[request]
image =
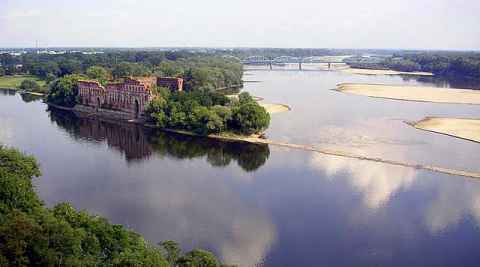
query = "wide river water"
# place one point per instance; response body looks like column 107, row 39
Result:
column 258, row 205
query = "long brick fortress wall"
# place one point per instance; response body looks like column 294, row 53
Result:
column 127, row 99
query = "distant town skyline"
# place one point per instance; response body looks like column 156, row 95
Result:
column 395, row 24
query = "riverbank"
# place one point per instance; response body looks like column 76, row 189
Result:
column 382, row 72
column 413, row 93
column 275, row 108
column 13, row 82
column 468, row 129
column 257, row 139
column 338, row 153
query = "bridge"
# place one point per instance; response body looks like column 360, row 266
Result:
column 282, row 60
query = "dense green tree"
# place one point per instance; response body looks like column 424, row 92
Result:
column 97, row 73
column 64, row 91
column 69, row 66
column 2, row 71
column 30, row 85
column 125, row 69
column 248, row 116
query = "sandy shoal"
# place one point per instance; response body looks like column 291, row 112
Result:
column 413, row 93
column 461, row 128
column 275, row 108
column 382, row 72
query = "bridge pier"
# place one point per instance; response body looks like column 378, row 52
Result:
column 300, row 65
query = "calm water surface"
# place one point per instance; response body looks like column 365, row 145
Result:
column 268, row 206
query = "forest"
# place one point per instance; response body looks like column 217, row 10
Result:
column 199, row 70
column 450, row 64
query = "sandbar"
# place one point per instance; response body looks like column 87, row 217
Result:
column 275, row 108
column 468, row 129
column 413, row 93
column 383, row 72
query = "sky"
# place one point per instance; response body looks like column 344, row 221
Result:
column 396, row 24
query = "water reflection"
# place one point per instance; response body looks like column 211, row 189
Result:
column 138, row 143
column 376, row 181
column 27, row 98
column 6, row 91
column 453, row 202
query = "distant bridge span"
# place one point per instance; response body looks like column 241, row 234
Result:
column 281, row 60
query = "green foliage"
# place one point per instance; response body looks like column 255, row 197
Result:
column 248, row 116
column 16, row 190
column 32, row 235
column 69, row 66
column 198, row 258
column 30, row 85
column 64, row 91
column 2, row 71
column 205, row 112
column 125, row 69
column 97, row 73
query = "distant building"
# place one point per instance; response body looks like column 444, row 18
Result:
column 125, row 99
column 174, row 84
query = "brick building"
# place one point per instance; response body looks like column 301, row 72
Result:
column 129, row 97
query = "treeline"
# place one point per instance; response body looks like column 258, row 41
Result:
column 33, row 235
column 205, row 112
column 448, row 64
column 200, row 70
column 464, row 64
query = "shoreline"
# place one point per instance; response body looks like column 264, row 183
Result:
column 344, row 154
column 462, row 128
column 412, row 93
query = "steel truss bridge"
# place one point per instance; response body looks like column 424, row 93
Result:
column 282, row 60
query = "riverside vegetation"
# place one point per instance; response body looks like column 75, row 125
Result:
column 205, row 112
column 33, row 235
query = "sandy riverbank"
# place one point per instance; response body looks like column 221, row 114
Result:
column 382, row 72
column 275, row 108
column 269, row 107
column 413, row 93
column 468, row 129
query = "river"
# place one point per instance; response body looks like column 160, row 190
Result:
column 258, row 205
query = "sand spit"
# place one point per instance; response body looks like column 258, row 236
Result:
column 468, row 129
column 383, row 72
column 413, row 93
column 269, row 107
column 275, row 108
column 345, row 154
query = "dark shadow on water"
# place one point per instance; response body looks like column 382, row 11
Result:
column 27, row 98
column 138, row 143
column 6, row 91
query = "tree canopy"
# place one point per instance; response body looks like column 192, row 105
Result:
column 206, row 112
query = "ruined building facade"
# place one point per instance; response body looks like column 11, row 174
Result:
column 126, row 100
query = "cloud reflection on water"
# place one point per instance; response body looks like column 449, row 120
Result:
column 376, row 181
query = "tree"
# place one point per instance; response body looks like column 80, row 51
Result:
column 97, row 73
column 125, row 69
column 172, row 251
column 69, row 66
column 2, row 71
column 29, row 85
column 155, row 111
column 250, row 118
column 198, row 258
column 64, row 91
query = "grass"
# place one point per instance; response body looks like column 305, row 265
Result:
column 13, row 82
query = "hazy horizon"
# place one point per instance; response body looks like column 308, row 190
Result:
column 371, row 24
